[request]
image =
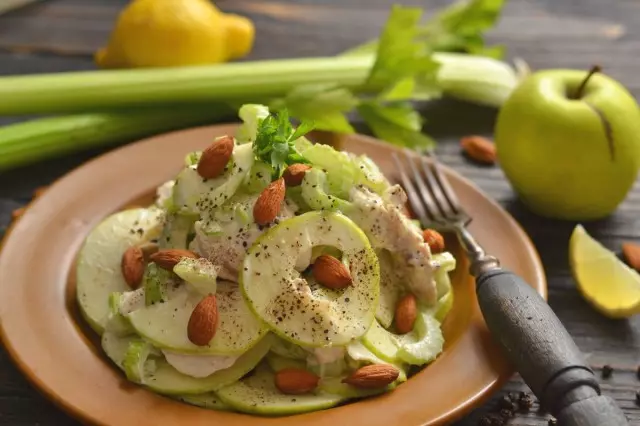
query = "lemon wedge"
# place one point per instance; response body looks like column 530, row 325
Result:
column 605, row 281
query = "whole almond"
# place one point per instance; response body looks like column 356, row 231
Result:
column 631, row 253
column 215, row 158
column 168, row 258
column 294, row 174
column 406, row 313
column 203, row 321
column 434, row 239
column 295, row 381
column 268, row 204
column 373, row 376
column 331, row 273
column 132, row 266
column 479, row 149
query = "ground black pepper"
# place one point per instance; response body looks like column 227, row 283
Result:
column 525, row 402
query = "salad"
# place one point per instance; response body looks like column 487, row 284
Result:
column 271, row 276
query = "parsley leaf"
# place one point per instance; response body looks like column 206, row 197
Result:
column 275, row 141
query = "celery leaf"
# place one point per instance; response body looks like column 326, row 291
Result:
column 325, row 105
column 397, row 123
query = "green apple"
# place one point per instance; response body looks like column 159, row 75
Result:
column 569, row 143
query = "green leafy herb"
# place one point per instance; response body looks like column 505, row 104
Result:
column 397, row 123
column 460, row 27
column 275, row 141
column 324, row 104
column 404, row 65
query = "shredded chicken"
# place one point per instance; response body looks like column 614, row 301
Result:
column 383, row 220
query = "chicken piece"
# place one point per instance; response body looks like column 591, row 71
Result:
column 383, row 220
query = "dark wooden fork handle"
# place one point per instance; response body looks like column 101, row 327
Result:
column 543, row 352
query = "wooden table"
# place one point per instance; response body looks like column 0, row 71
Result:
column 59, row 35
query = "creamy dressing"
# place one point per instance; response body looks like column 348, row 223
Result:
column 198, row 365
column 164, row 193
column 388, row 227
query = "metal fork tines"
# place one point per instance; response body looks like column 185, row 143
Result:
column 430, row 194
column 435, row 203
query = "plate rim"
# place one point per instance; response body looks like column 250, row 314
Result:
column 75, row 412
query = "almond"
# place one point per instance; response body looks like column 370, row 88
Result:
column 295, row 381
column 331, row 273
column 268, row 204
column 631, row 253
column 148, row 249
column 132, row 266
column 406, row 313
column 434, row 239
column 373, row 376
column 168, row 258
column 215, row 157
column 203, row 321
column 294, row 174
column 479, row 149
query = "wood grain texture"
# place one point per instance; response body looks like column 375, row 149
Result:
column 59, row 35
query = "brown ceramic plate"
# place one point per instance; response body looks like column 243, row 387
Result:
column 43, row 332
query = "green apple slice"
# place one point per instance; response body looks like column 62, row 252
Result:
column 192, row 194
column 390, row 288
column 207, row 400
column 98, row 273
column 200, row 274
column 381, row 342
column 257, row 394
column 165, row 324
column 156, row 374
column 277, row 362
column 299, row 310
column 287, row 349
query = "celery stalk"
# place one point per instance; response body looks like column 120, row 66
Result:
column 99, row 90
column 34, row 140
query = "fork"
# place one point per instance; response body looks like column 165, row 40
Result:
column 519, row 319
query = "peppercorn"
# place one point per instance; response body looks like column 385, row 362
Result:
column 525, row 402
column 506, row 414
column 607, row 371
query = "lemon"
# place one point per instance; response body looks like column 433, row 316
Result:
column 605, row 281
column 167, row 33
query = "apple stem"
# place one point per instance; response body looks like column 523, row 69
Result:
column 594, row 69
